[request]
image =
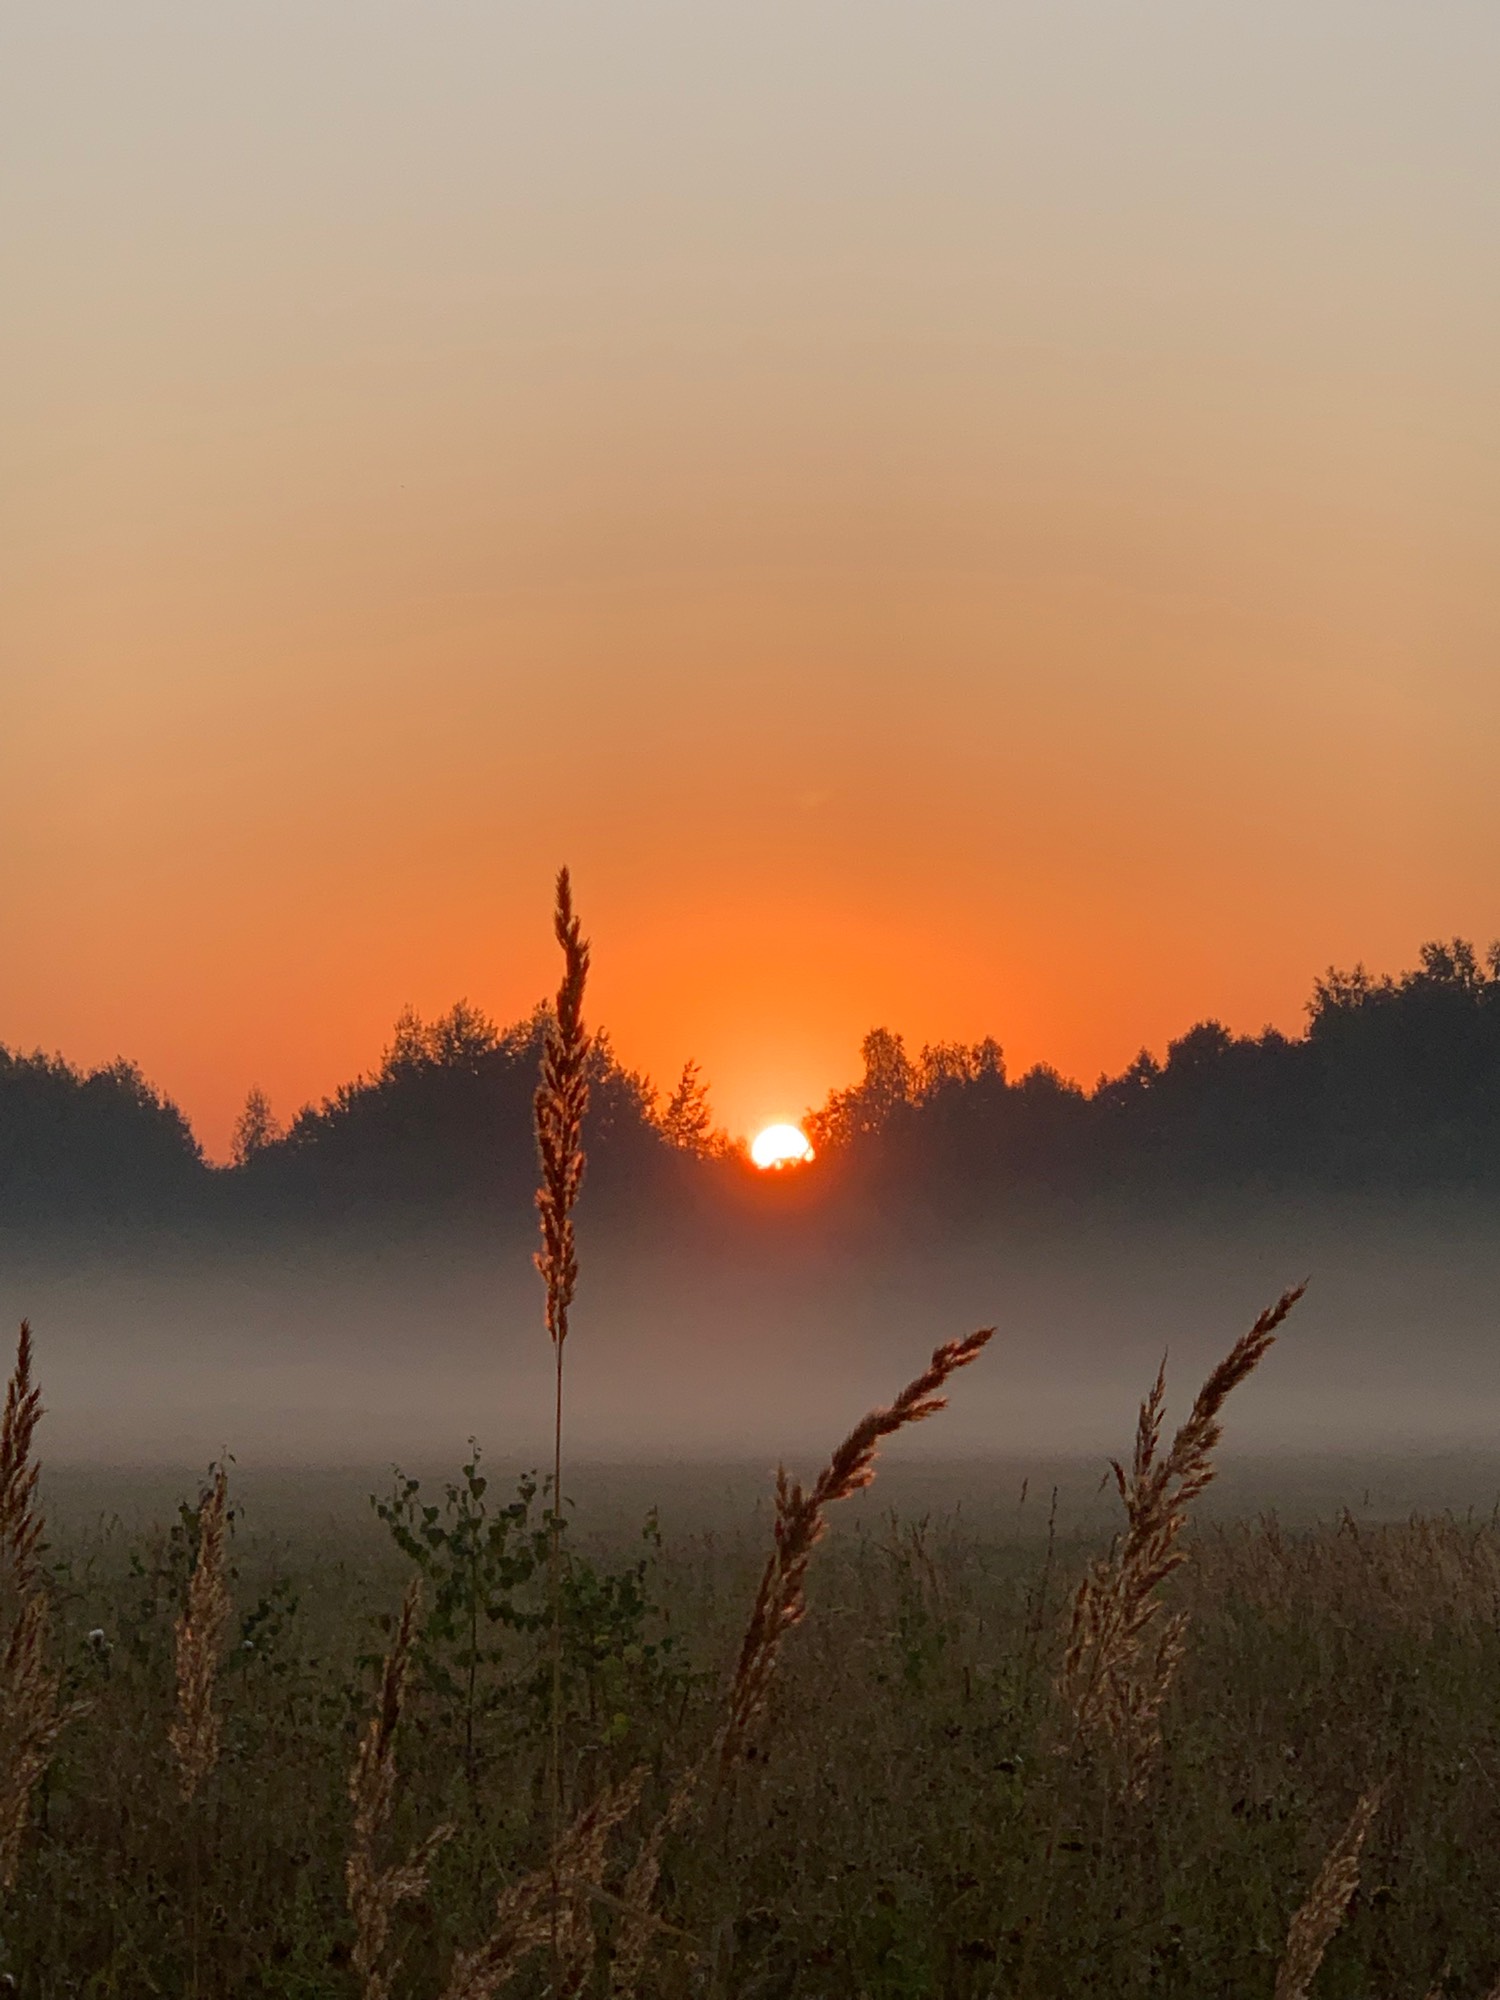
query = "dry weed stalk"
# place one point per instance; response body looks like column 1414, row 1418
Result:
column 528, row 1915
column 780, row 1603
column 1114, row 1678
column 195, row 1729
column 30, row 1712
column 375, row 1892
column 1313, row 1927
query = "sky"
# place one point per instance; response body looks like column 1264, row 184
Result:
column 980, row 518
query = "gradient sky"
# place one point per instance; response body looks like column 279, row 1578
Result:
column 980, row 517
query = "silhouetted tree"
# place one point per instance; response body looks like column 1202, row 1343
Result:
column 256, row 1128
column 866, row 1107
column 687, row 1118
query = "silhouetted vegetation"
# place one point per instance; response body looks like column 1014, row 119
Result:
column 1395, row 1085
column 445, row 1124
column 77, row 1143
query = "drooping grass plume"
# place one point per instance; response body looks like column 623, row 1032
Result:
column 780, row 1603
column 31, row 1715
column 375, row 1892
column 1121, row 1654
column 529, row 1917
column 1313, row 1927
column 800, row 1525
column 196, row 1728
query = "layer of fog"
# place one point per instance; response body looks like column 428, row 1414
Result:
column 322, row 1358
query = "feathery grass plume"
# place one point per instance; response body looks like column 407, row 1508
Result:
column 639, row 1924
column 528, row 1918
column 562, row 1099
column 20, row 1523
column 1312, row 1928
column 374, row 1892
column 780, row 1603
column 195, row 1729
column 31, row 1717
column 1120, row 1662
column 781, row 1599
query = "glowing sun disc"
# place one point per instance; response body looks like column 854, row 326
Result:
column 780, row 1146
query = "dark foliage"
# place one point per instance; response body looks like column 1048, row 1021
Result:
column 1395, row 1085
column 85, row 1144
column 445, row 1126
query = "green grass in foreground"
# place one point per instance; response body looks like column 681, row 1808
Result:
column 908, row 1825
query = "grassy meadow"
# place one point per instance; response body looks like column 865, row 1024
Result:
column 909, row 1816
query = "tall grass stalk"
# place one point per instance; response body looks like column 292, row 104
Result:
column 1120, row 1661
column 375, row 1891
column 195, row 1729
column 800, row 1524
column 1122, row 1656
column 31, row 1714
column 561, row 1102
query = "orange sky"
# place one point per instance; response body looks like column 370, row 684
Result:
column 979, row 519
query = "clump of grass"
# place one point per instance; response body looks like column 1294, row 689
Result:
column 375, row 1891
column 32, row 1715
column 196, row 1729
column 1122, row 1654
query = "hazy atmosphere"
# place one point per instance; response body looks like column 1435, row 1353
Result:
column 291, row 1353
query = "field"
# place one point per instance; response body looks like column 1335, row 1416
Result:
column 914, row 1813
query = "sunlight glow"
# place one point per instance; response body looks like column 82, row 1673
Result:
column 780, row 1146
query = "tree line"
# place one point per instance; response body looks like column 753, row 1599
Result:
column 1394, row 1083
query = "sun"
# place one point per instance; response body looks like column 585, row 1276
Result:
column 780, row 1146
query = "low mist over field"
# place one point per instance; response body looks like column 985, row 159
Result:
column 762, row 1347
